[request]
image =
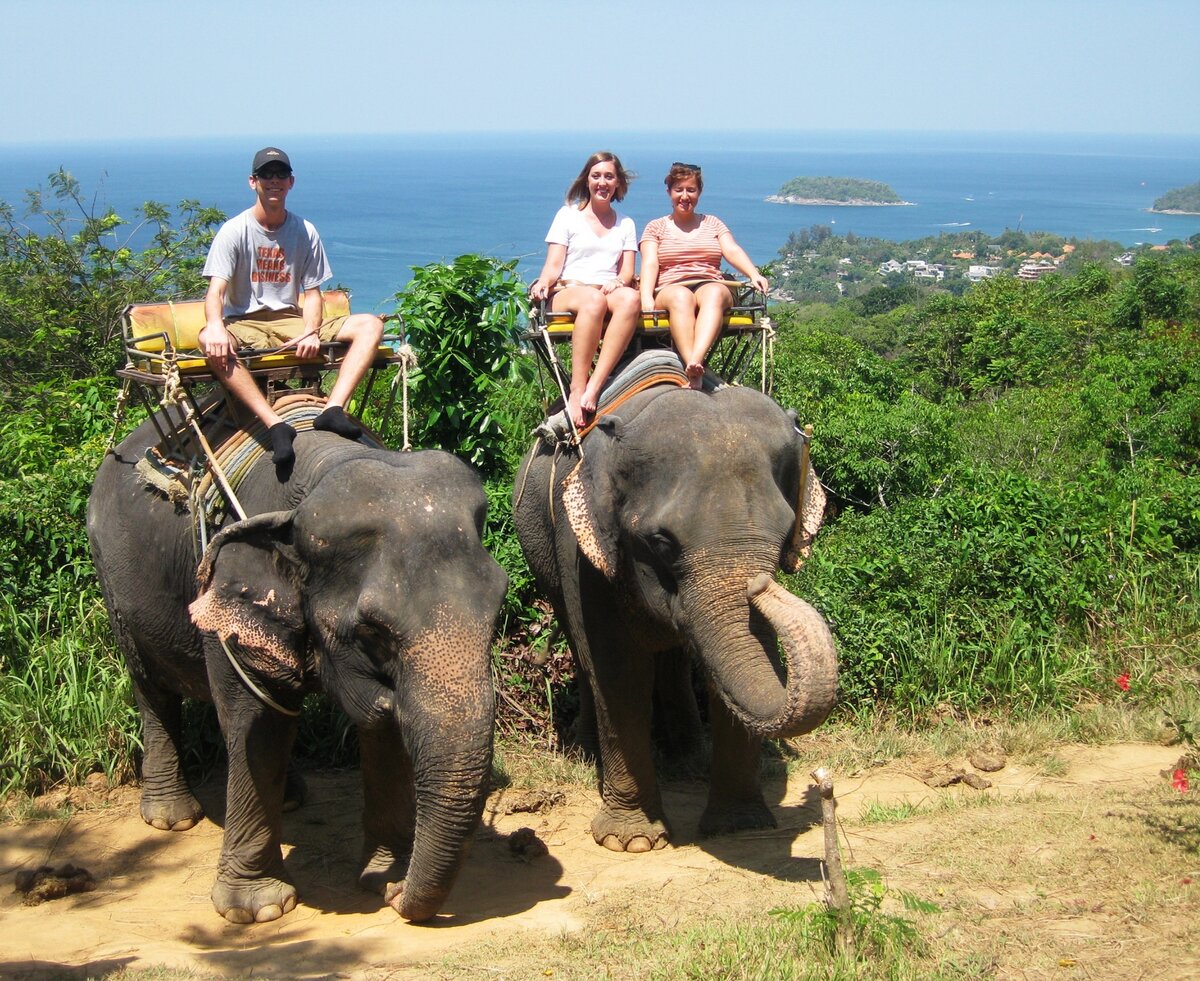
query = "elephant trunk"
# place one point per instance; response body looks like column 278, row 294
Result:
column 451, row 789
column 446, row 710
column 741, row 659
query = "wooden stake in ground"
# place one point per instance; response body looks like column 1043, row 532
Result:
column 837, row 895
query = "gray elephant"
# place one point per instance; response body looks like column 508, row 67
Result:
column 361, row 572
column 664, row 537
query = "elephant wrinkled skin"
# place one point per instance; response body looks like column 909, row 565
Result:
column 363, row 574
column 663, row 542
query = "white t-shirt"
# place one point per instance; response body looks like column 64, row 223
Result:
column 266, row 270
column 591, row 258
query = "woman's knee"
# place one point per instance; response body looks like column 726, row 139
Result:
column 714, row 296
column 587, row 303
column 675, row 299
column 624, row 302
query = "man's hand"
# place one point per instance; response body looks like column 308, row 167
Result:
column 308, row 346
column 218, row 344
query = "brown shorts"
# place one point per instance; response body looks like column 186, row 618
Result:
column 267, row 329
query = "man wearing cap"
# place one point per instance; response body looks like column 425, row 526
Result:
column 264, row 269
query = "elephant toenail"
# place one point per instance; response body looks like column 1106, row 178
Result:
column 268, row 913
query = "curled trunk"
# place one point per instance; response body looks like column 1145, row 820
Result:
column 743, row 636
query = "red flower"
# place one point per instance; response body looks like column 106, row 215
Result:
column 1123, row 681
column 1179, row 780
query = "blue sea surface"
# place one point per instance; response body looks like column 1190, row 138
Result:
column 384, row 204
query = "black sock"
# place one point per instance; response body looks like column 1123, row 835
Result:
column 281, row 443
column 335, row 420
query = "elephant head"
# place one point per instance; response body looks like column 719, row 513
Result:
column 690, row 506
column 379, row 587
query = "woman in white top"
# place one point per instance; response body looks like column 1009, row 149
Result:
column 589, row 272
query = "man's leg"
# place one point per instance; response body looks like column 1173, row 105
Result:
column 241, row 385
column 362, row 331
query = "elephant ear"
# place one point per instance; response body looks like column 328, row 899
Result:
column 809, row 504
column 587, row 499
column 248, row 596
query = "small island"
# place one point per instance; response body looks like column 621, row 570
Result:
column 1181, row 201
column 837, row 191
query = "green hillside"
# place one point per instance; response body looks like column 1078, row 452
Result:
column 1181, row 199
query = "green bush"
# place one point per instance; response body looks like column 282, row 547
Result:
column 463, row 320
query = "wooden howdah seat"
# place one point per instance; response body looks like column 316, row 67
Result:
column 746, row 331
column 167, row 373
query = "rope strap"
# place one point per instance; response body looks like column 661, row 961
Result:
column 249, row 683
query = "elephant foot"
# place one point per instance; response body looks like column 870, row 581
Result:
column 629, row 831
column 295, row 790
column 741, row 815
column 253, row 900
column 384, row 870
column 178, row 813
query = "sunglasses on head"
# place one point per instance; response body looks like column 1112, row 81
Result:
column 695, row 167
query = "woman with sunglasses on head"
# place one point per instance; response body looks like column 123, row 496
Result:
column 681, row 269
column 589, row 272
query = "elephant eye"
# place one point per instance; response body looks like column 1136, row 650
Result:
column 373, row 641
column 664, row 545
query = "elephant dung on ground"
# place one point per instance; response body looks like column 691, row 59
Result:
column 361, row 573
column 663, row 538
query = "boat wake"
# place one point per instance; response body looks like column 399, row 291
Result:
column 954, row 224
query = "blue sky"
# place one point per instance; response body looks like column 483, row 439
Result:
column 130, row 69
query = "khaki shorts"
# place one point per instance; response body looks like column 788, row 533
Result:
column 274, row 329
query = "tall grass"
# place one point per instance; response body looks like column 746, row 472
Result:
column 65, row 704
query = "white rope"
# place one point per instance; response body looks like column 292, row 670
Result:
column 249, row 683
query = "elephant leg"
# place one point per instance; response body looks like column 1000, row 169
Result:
column 678, row 731
column 167, row 801
column 389, row 810
column 631, row 818
column 252, row 885
column 586, row 738
column 295, row 790
column 735, row 799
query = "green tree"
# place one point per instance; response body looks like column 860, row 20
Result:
column 464, row 320
column 68, row 270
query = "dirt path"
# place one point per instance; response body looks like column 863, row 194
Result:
column 151, row 906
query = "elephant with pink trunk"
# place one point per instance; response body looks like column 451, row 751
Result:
column 359, row 572
column 665, row 535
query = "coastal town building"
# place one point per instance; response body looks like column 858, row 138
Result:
column 976, row 273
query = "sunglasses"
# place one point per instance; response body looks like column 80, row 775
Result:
column 274, row 174
column 695, row 167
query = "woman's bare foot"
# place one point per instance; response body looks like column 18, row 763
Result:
column 587, row 401
column 576, row 411
column 695, row 373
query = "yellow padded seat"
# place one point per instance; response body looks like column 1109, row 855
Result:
column 154, row 329
column 563, row 323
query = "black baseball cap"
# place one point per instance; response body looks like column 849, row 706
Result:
column 270, row 155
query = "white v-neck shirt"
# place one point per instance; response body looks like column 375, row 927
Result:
column 591, row 258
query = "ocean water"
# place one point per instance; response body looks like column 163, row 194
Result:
column 384, row 204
